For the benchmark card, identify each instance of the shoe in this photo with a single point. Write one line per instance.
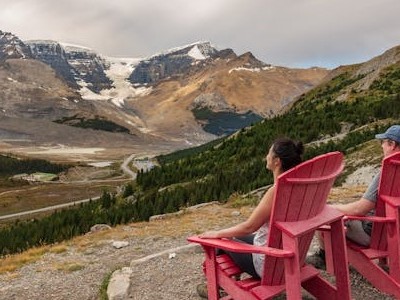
(317, 259)
(202, 290)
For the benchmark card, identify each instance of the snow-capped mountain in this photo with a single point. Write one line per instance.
(176, 61)
(53, 54)
(79, 66)
(183, 96)
(12, 47)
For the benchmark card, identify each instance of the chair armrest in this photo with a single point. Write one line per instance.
(233, 246)
(371, 218)
(298, 228)
(392, 201)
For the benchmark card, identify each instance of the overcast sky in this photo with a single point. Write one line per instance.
(293, 33)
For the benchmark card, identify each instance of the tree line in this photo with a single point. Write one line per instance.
(64, 224)
(10, 166)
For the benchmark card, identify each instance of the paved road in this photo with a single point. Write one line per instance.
(48, 208)
(125, 168)
(140, 164)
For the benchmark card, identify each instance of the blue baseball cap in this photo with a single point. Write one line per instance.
(393, 133)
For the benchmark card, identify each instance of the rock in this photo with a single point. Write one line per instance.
(99, 227)
(165, 216)
(12, 47)
(120, 244)
(361, 176)
(213, 101)
(119, 284)
(235, 213)
(201, 205)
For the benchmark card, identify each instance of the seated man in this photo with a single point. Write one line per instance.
(360, 231)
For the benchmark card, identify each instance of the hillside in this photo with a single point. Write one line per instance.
(236, 86)
(342, 114)
(153, 264)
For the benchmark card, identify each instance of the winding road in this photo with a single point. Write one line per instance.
(125, 168)
(44, 209)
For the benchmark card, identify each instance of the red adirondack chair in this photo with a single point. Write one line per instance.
(299, 209)
(380, 262)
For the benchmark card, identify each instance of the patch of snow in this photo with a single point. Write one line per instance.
(252, 69)
(144, 130)
(118, 102)
(196, 53)
(142, 91)
(119, 71)
(73, 47)
(172, 50)
(101, 164)
(88, 94)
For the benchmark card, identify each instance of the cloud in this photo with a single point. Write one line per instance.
(281, 32)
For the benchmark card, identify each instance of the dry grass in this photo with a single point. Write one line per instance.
(69, 266)
(57, 249)
(42, 195)
(14, 262)
(346, 194)
(369, 153)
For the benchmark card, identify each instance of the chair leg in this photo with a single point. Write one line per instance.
(393, 235)
(327, 240)
(320, 288)
(340, 262)
(292, 268)
(374, 274)
(211, 273)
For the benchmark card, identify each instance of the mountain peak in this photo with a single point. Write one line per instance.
(249, 58)
(173, 62)
(76, 48)
(198, 50)
(12, 47)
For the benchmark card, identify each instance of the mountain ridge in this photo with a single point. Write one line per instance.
(201, 94)
(161, 107)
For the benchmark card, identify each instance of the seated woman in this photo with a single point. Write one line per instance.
(282, 156)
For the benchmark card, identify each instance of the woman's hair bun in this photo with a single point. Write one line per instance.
(299, 147)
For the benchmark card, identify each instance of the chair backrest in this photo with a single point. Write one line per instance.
(300, 194)
(389, 185)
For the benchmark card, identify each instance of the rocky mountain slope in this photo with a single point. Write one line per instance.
(181, 97)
